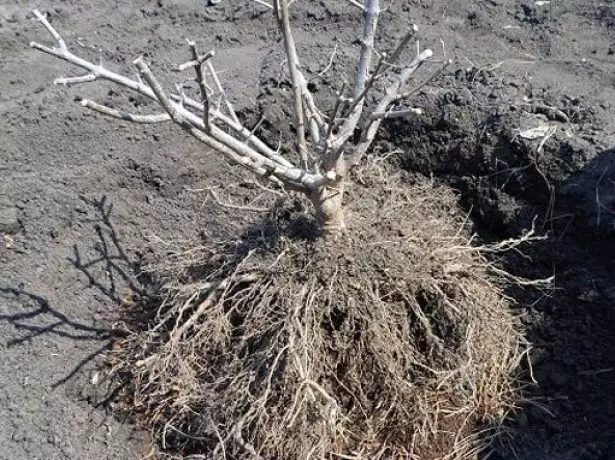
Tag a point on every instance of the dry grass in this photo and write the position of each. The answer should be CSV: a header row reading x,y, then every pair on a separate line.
x,y
395,341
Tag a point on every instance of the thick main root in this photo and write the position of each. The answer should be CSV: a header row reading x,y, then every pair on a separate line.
x,y
393,340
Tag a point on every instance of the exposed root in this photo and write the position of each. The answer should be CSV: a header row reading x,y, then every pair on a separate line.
x,y
392,341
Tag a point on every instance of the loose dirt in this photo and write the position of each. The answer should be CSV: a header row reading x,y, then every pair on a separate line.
x,y
84,200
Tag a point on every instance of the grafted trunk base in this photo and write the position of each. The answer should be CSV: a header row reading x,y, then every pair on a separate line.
x,y
329,211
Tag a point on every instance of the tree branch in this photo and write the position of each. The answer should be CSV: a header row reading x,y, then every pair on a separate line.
x,y
369,133
402,44
396,113
245,133
338,103
378,71
428,80
371,11
235,150
261,2
198,69
199,60
280,8
67,81
370,14
179,118
240,145
134,118
97,70
357,4
43,19
227,102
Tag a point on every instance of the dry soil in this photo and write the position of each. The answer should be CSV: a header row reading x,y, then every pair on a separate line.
x,y
84,199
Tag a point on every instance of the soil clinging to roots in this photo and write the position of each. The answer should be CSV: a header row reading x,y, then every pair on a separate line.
x,y
393,340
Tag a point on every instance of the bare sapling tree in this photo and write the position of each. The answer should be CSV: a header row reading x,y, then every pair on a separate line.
x,y
327,143
274,348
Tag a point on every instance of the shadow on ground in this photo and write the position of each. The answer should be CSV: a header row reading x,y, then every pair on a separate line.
x,y
110,271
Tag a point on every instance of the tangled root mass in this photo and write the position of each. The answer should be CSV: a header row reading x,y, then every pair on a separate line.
x,y
393,340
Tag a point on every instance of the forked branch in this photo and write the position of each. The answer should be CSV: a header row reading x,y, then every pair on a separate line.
x,y
371,11
322,143
260,159
280,8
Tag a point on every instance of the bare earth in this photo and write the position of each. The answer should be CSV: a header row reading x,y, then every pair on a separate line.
x,y
84,199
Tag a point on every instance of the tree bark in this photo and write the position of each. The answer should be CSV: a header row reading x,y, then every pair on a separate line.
x,y
327,202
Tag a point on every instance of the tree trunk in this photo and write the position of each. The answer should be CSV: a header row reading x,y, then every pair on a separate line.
x,y
329,211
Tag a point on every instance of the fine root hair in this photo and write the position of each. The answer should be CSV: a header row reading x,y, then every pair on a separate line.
x,y
393,340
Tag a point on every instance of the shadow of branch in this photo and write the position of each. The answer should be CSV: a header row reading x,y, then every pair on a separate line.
x,y
110,271
111,258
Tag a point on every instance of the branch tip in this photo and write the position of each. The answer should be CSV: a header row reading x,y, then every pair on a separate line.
x,y
67,81
54,33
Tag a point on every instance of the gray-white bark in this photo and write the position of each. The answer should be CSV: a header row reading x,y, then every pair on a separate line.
x,y
321,143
